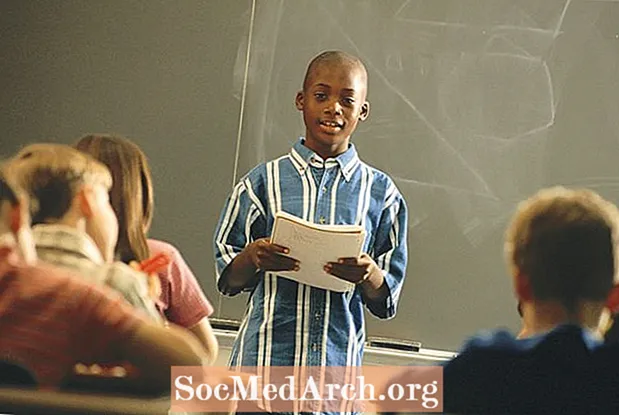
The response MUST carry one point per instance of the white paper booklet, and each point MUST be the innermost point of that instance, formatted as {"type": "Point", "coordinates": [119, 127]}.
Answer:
{"type": "Point", "coordinates": [313, 245]}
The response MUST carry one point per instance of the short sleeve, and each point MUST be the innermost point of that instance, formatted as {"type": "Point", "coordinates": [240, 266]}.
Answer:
{"type": "Point", "coordinates": [186, 302]}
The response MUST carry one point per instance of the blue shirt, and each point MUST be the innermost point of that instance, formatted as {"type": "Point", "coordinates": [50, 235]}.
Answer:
{"type": "Point", "coordinates": [292, 324]}
{"type": "Point", "coordinates": [563, 371]}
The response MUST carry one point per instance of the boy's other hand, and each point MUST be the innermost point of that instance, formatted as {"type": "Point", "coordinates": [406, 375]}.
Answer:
{"type": "Point", "coordinates": [356, 270]}
{"type": "Point", "coordinates": [271, 257]}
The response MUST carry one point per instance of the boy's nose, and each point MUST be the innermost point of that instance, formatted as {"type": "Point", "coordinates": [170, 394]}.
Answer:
{"type": "Point", "coordinates": [334, 108]}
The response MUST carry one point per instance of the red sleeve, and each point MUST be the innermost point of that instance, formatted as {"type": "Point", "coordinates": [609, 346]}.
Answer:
{"type": "Point", "coordinates": [187, 304]}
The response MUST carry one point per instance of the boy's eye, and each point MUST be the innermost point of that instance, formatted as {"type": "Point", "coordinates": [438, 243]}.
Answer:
{"type": "Point", "coordinates": [349, 101]}
{"type": "Point", "coordinates": [320, 95]}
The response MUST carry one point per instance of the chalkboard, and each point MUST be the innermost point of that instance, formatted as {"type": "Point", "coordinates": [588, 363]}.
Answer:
{"type": "Point", "coordinates": [475, 106]}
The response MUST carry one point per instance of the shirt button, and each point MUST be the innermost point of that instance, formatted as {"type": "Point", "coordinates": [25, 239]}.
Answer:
{"type": "Point", "coordinates": [314, 347]}
{"type": "Point", "coordinates": [317, 315]}
{"type": "Point", "coordinates": [322, 220]}
{"type": "Point", "coordinates": [324, 189]}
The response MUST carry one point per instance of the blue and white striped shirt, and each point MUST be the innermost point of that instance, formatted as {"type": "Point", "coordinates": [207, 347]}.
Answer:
{"type": "Point", "coordinates": [292, 324]}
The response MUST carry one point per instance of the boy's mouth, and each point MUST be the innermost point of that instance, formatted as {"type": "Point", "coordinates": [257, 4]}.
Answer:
{"type": "Point", "coordinates": [331, 126]}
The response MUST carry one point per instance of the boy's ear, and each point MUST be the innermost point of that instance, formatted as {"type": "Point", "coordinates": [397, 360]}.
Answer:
{"type": "Point", "coordinates": [612, 303]}
{"type": "Point", "coordinates": [365, 111]}
{"type": "Point", "coordinates": [298, 101]}
{"type": "Point", "coordinates": [85, 202]}
{"type": "Point", "coordinates": [522, 286]}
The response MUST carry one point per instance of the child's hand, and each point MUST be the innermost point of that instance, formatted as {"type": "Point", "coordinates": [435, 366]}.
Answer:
{"type": "Point", "coordinates": [271, 257]}
{"type": "Point", "coordinates": [154, 283]}
{"type": "Point", "coordinates": [356, 270]}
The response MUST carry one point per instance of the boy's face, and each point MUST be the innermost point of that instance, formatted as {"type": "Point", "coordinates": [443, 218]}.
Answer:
{"type": "Point", "coordinates": [333, 102]}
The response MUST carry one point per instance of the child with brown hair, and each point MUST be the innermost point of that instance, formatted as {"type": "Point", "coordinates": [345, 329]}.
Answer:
{"type": "Point", "coordinates": [181, 299]}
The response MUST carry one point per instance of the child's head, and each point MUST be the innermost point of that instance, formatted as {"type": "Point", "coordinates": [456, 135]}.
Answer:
{"type": "Point", "coordinates": [333, 101]}
{"type": "Point", "coordinates": [132, 191]}
{"type": "Point", "coordinates": [71, 188]}
{"type": "Point", "coordinates": [15, 207]}
{"type": "Point", "coordinates": [561, 247]}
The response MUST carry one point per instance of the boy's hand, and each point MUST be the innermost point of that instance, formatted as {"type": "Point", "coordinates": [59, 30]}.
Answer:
{"type": "Point", "coordinates": [271, 257]}
{"type": "Point", "coordinates": [357, 270]}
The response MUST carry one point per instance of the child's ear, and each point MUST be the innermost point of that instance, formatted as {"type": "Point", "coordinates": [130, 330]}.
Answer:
{"type": "Point", "coordinates": [298, 101]}
{"type": "Point", "coordinates": [522, 285]}
{"type": "Point", "coordinates": [85, 202]}
{"type": "Point", "coordinates": [612, 303]}
{"type": "Point", "coordinates": [365, 111]}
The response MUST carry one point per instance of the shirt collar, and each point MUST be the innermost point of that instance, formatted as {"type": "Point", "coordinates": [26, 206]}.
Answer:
{"type": "Point", "coordinates": [302, 157]}
{"type": "Point", "coordinates": [590, 338]}
{"type": "Point", "coordinates": [67, 239]}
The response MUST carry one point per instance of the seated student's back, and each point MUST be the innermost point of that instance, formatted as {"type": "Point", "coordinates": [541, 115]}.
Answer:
{"type": "Point", "coordinates": [561, 252]}
{"type": "Point", "coordinates": [44, 305]}
{"type": "Point", "coordinates": [565, 371]}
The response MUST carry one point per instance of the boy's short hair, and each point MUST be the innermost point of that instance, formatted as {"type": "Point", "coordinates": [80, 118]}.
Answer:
{"type": "Point", "coordinates": [53, 174]}
{"type": "Point", "coordinates": [329, 57]}
{"type": "Point", "coordinates": [12, 193]}
{"type": "Point", "coordinates": [564, 241]}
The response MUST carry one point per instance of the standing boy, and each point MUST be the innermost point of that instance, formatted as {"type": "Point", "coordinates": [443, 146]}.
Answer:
{"type": "Point", "coordinates": [321, 180]}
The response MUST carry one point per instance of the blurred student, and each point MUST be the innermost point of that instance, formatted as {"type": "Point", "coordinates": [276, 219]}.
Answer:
{"type": "Point", "coordinates": [561, 249]}
{"type": "Point", "coordinates": [51, 318]}
{"type": "Point", "coordinates": [74, 225]}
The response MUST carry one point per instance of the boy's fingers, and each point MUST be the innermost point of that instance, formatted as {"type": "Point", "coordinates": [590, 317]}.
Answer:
{"type": "Point", "coordinates": [279, 263]}
{"type": "Point", "coordinates": [287, 262]}
{"type": "Point", "coordinates": [277, 257]}
{"type": "Point", "coordinates": [281, 267]}
{"type": "Point", "coordinates": [348, 272]}
{"type": "Point", "coordinates": [349, 261]}
{"type": "Point", "coordinates": [279, 248]}
{"type": "Point", "coordinates": [347, 267]}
